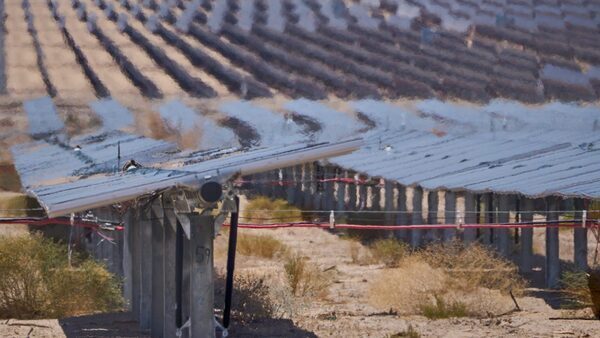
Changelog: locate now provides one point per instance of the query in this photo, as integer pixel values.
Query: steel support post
(417, 216)
(449, 215)
(580, 240)
(469, 216)
(552, 244)
(526, 207)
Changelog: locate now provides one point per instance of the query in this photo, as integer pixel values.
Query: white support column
(389, 202)
(169, 271)
(309, 186)
(449, 215)
(352, 188)
(470, 216)
(417, 216)
(318, 175)
(328, 202)
(526, 206)
(376, 194)
(145, 224)
(552, 245)
(136, 264)
(201, 293)
(290, 175)
(401, 216)
(158, 267)
(127, 259)
(298, 186)
(505, 205)
(341, 192)
(362, 196)
(580, 240)
(433, 202)
(487, 209)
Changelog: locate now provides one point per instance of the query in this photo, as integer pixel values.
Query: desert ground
(345, 311)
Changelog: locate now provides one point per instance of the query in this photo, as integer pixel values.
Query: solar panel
(105, 189)
(42, 116)
(563, 74)
(273, 128)
(332, 10)
(246, 15)
(329, 119)
(306, 16)
(180, 117)
(275, 17)
(113, 115)
(391, 117)
(216, 16)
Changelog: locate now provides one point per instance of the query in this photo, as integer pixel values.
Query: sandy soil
(346, 310)
(64, 72)
(22, 82)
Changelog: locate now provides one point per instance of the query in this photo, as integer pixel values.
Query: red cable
(589, 224)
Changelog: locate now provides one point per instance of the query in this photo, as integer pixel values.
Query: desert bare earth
(345, 311)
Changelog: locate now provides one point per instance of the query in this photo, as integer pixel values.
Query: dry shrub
(37, 282)
(447, 281)
(265, 210)
(18, 205)
(476, 264)
(258, 297)
(264, 246)
(388, 251)
(355, 252)
(576, 289)
(9, 178)
(582, 290)
(410, 332)
(305, 279)
(442, 308)
(251, 297)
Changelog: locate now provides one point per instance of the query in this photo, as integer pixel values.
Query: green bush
(263, 210)
(36, 281)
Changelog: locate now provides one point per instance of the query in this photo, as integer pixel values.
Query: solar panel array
(470, 50)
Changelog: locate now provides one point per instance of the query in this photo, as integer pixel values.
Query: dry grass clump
(447, 281)
(410, 332)
(18, 205)
(263, 210)
(37, 282)
(264, 246)
(9, 178)
(388, 251)
(576, 289)
(305, 280)
(582, 290)
(476, 264)
(251, 297)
